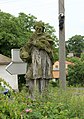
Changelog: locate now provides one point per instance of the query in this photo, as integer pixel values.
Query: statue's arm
(25, 53)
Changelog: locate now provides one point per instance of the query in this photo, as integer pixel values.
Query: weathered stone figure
(38, 53)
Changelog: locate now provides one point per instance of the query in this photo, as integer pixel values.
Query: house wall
(11, 79)
(56, 65)
(55, 71)
(55, 74)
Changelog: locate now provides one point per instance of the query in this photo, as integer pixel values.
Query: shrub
(54, 104)
(76, 74)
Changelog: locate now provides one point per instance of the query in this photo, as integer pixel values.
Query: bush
(55, 104)
(76, 74)
(54, 83)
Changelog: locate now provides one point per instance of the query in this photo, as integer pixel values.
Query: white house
(12, 80)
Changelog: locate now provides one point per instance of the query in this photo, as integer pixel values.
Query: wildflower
(28, 110)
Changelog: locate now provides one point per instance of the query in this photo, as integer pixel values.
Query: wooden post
(62, 45)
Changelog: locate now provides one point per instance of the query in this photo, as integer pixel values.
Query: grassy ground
(52, 104)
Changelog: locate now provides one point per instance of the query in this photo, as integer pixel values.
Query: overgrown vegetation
(76, 71)
(75, 45)
(16, 31)
(53, 104)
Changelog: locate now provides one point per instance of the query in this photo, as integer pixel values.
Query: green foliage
(21, 81)
(74, 59)
(54, 104)
(25, 23)
(51, 32)
(8, 33)
(54, 83)
(82, 57)
(76, 74)
(5, 83)
(16, 31)
(76, 71)
(76, 45)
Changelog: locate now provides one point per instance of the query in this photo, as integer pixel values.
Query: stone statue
(38, 53)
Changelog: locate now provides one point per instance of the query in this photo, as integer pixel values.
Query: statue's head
(39, 27)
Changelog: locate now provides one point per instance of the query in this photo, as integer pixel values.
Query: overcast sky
(47, 11)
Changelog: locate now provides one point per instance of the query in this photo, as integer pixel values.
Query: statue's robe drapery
(40, 70)
(41, 66)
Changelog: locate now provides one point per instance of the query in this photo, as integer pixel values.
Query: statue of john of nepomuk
(38, 53)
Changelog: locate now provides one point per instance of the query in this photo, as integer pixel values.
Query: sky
(47, 11)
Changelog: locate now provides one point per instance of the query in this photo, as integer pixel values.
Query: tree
(76, 45)
(8, 33)
(51, 31)
(15, 31)
(25, 23)
(74, 60)
(76, 74)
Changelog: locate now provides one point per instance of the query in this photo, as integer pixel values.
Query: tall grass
(52, 104)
